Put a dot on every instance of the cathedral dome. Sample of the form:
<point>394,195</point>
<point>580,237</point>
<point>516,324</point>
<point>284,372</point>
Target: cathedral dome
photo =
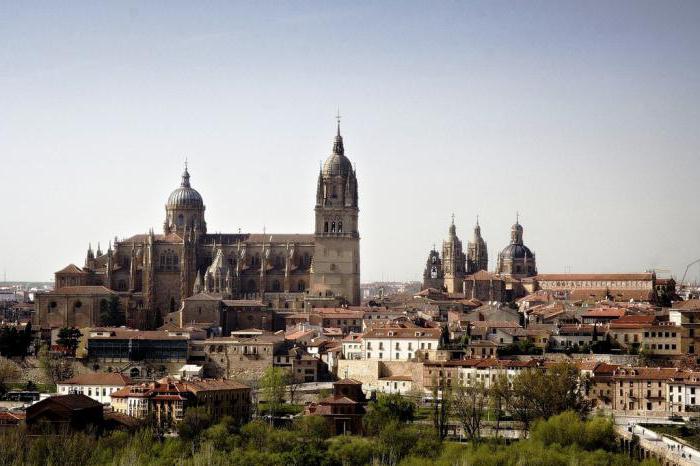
<point>185,195</point>
<point>337,164</point>
<point>516,251</point>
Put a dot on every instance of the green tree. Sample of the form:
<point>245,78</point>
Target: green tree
<point>499,397</point>
<point>442,395</point>
<point>55,368</point>
<point>351,451</point>
<point>469,401</point>
<point>111,313</point>
<point>540,394</point>
<point>69,338</point>
<point>273,388</point>
<point>8,372</point>
<point>388,408</point>
<point>193,423</point>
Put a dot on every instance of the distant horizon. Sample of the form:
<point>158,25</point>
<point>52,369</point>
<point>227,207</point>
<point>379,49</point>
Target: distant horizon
<point>581,116</point>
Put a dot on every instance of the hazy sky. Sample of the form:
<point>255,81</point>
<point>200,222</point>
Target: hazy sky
<point>583,116</point>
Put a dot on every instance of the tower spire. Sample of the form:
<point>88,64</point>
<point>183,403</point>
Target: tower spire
<point>337,117</point>
<point>185,183</point>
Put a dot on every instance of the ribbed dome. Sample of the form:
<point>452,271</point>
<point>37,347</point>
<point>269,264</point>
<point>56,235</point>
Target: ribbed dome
<point>185,195</point>
<point>337,164</point>
<point>516,251</point>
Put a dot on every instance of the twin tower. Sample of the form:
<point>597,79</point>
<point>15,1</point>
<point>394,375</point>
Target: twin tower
<point>449,271</point>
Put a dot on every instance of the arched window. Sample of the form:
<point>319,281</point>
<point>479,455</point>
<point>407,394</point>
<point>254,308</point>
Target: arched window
<point>276,286</point>
<point>301,286</point>
<point>180,220</point>
<point>333,227</point>
<point>169,261</point>
<point>121,285</point>
<point>333,267</point>
<point>279,261</point>
<point>251,286</point>
<point>325,227</point>
<point>256,259</point>
<point>307,259</point>
<point>340,227</point>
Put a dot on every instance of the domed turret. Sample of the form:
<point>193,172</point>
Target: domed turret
<point>516,258</point>
<point>185,208</point>
<point>337,164</point>
<point>185,195</point>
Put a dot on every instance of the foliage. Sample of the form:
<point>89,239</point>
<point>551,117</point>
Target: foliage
<point>8,372</point>
<point>193,423</point>
<point>111,313</point>
<point>468,403</point>
<point>441,406</point>
<point>13,342</point>
<point>519,347</point>
<point>562,440</point>
<point>388,408</point>
<point>69,338</point>
<point>55,368</point>
<point>539,394</point>
<point>272,384</point>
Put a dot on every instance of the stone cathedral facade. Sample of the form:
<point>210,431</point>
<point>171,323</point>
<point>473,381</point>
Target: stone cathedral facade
<point>451,270</point>
<point>153,273</point>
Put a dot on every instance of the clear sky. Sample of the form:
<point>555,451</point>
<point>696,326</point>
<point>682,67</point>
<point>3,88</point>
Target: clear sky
<point>583,116</point>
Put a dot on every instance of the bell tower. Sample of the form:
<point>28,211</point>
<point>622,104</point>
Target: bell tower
<point>335,269</point>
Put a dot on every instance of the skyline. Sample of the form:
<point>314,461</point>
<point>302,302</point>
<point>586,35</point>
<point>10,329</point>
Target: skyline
<point>582,117</point>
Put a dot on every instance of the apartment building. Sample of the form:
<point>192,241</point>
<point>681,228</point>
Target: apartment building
<point>398,344</point>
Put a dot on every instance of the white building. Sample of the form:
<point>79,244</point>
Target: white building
<point>400,384</point>
<point>570,335</point>
<point>684,393</point>
<point>352,346</point>
<point>99,386</point>
<point>398,344</point>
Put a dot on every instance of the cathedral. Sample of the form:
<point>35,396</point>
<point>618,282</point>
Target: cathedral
<point>457,272</point>
<point>153,273</point>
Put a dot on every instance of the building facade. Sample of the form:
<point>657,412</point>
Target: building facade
<point>154,273</point>
<point>516,259</point>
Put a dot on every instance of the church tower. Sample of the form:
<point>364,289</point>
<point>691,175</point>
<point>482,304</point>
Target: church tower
<point>453,261</point>
<point>185,209</point>
<point>516,259</point>
<point>477,255</point>
<point>335,269</point>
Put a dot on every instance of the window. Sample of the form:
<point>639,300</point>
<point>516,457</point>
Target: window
<point>301,285</point>
<point>325,227</point>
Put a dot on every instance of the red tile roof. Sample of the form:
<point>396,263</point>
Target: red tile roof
<point>99,378</point>
<point>72,268</point>
<point>593,276</point>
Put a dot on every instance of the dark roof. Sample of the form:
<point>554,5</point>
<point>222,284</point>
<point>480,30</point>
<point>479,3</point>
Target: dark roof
<point>516,251</point>
<point>98,378</point>
<point>73,402</point>
<point>72,268</point>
